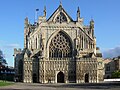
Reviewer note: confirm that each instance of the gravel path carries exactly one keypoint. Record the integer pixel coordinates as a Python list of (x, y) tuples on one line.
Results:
[(37, 86)]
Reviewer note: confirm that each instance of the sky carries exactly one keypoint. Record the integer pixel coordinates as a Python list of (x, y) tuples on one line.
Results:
[(106, 15)]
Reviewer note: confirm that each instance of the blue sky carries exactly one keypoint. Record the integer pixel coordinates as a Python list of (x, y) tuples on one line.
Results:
[(106, 14)]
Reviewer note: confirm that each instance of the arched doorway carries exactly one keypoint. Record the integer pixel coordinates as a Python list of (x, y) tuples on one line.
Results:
[(34, 78), (60, 77), (86, 78), (108, 77)]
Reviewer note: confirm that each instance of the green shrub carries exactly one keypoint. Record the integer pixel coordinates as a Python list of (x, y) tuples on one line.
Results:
[(116, 74)]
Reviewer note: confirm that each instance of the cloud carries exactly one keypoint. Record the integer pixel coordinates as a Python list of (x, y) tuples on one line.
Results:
[(12, 46), (110, 53)]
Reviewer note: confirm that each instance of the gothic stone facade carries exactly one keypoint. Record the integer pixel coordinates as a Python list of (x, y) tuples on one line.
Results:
[(61, 50)]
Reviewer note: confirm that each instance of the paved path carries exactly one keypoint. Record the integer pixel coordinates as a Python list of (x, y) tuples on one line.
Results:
[(37, 86)]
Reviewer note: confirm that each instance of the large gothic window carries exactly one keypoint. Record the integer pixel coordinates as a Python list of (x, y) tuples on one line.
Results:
[(61, 18), (60, 46)]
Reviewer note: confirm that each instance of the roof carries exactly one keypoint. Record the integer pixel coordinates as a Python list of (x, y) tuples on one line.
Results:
[(58, 10)]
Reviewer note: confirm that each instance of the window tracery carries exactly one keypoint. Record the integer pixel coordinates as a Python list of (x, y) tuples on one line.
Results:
[(61, 18), (60, 46)]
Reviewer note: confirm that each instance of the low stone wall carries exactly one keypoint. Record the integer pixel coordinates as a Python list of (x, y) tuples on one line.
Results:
[(111, 80)]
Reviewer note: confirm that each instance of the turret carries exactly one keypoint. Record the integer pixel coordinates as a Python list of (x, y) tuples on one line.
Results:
[(92, 24), (92, 27), (26, 22), (44, 11), (78, 14), (25, 31), (79, 19), (42, 18)]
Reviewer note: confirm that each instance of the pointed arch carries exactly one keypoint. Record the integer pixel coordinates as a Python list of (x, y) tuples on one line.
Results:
[(87, 78), (60, 77), (60, 45)]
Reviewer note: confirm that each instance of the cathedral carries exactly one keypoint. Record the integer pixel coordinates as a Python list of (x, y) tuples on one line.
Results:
[(59, 50)]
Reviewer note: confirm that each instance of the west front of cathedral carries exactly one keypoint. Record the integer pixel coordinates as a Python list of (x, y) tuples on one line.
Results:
[(59, 50)]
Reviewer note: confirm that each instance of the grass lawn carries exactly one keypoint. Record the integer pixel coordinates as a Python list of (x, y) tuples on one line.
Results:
[(3, 83)]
